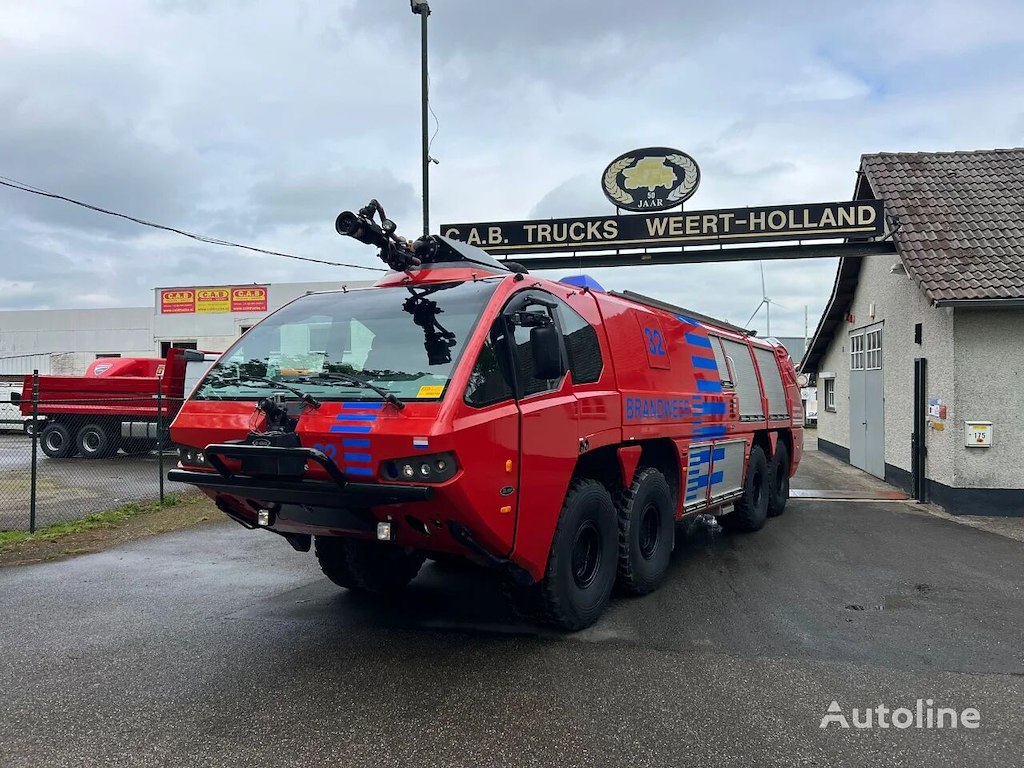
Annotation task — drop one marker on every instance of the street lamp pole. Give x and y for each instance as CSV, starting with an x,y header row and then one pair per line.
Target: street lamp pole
x,y
423,10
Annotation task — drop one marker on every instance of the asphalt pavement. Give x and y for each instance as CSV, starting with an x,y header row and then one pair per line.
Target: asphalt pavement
x,y
68,489
218,646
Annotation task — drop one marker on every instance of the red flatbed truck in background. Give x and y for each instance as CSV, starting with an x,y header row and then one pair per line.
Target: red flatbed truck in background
x,y
551,430
119,403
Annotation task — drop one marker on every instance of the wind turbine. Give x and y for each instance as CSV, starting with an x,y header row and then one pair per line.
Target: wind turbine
x,y
767,304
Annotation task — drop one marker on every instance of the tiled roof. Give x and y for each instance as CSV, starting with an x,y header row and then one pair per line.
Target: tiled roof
x,y
960,219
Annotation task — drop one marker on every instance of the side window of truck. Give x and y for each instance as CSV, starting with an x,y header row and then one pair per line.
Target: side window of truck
x,y
524,358
724,369
490,381
581,345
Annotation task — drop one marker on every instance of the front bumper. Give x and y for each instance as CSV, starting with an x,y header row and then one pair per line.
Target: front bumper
x,y
278,485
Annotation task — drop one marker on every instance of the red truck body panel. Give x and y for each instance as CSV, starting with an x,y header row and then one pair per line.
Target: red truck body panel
x,y
112,387
659,396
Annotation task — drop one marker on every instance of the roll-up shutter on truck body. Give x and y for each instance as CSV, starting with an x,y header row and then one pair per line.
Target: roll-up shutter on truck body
x,y
771,378
745,380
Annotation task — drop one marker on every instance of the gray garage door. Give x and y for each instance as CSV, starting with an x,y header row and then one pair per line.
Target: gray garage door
x,y
867,404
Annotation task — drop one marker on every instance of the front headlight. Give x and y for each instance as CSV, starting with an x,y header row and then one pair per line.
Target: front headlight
x,y
191,457
429,468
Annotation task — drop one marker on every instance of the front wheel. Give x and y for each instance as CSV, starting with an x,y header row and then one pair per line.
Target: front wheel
x,y
373,567
582,563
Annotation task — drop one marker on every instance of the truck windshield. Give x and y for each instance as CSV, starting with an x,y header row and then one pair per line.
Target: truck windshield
x,y
405,340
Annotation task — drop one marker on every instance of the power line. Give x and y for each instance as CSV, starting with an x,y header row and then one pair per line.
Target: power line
x,y
21,186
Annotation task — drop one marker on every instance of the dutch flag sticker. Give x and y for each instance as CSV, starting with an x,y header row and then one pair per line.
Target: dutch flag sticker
x,y
420,443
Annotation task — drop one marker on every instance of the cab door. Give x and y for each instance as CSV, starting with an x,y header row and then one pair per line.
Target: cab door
x,y
548,426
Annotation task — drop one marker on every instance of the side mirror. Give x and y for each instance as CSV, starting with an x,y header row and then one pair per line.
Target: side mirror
x,y
194,356
547,352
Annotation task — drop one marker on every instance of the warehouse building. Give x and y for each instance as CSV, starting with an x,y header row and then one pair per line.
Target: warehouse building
x,y
919,356
66,341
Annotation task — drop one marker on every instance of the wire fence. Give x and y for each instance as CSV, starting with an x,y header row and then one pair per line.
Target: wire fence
x,y
62,459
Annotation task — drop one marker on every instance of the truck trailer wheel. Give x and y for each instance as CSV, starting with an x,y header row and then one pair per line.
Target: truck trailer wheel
x,y
367,566
752,508
582,564
56,441
778,473
94,442
646,532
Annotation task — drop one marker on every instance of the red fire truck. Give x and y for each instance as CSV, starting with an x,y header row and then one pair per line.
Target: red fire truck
x,y
115,405
554,431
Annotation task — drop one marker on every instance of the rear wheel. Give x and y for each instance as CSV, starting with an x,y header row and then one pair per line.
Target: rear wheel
x,y
94,442
582,563
367,566
646,532
752,509
778,472
56,441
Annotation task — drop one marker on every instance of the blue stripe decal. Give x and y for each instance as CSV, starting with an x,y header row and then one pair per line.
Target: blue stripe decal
x,y
365,458
365,471
709,409
364,406
700,456
356,417
718,454
347,429
710,431
694,472
716,477
698,341
355,442
708,386
705,363
687,320
700,482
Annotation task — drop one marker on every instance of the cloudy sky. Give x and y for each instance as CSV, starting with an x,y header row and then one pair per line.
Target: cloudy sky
x,y
258,122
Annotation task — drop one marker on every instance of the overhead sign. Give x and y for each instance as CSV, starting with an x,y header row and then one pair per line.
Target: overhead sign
x,y
213,299
650,179
807,221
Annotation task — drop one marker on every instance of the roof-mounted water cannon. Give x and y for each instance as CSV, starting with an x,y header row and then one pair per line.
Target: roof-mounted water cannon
x,y
395,251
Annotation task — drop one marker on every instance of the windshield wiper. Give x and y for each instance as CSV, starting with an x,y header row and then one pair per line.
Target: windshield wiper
x,y
307,398
355,381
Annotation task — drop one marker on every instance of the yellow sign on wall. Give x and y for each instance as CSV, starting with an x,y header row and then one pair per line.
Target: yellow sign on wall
x,y
213,300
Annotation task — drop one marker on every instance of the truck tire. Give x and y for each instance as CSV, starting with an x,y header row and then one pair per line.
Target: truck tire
x,y
778,472
646,531
582,564
371,567
94,442
752,508
56,441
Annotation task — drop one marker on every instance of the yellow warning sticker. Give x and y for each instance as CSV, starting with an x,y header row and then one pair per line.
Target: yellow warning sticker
x,y
430,390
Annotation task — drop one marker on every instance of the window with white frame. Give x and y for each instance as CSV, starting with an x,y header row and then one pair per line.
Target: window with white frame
x,y
873,347
857,352
830,394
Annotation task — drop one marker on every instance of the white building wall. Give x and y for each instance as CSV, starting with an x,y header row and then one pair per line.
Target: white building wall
x,y
899,304
989,371
27,337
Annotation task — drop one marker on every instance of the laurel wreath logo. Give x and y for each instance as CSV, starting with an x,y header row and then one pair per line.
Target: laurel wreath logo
x,y
690,176
611,183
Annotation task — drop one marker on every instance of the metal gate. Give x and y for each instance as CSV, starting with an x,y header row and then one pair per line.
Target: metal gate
x,y
867,402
